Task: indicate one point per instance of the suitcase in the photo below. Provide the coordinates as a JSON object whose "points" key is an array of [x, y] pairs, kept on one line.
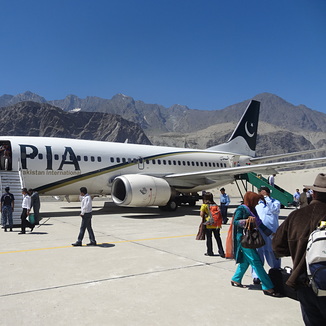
{"points": [[279, 276]]}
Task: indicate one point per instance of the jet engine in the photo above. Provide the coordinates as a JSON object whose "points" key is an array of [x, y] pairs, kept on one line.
{"points": [[138, 190]]}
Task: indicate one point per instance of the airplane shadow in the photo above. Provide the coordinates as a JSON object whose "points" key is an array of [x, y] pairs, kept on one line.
{"points": [[147, 212], [128, 212]]}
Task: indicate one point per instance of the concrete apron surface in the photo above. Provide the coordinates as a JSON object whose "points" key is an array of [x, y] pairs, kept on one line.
{"points": [[147, 269]]}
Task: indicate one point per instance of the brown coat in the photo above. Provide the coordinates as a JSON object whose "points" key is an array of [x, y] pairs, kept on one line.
{"points": [[292, 236]]}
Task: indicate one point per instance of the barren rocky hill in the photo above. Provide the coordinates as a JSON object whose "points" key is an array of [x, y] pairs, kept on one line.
{"points": [[42, 119]]}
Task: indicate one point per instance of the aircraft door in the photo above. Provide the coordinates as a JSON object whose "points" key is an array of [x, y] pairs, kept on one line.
{"points": [[234, 160], [5, 155]]}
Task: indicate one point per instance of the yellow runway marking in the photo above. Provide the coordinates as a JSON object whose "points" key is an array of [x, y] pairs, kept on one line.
{"points": [[99, 244]]}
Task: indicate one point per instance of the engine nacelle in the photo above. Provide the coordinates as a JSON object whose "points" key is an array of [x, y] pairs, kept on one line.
{"points": [[138, 190]]}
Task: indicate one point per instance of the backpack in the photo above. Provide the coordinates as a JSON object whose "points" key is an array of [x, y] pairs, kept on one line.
{"points": [[215, 216], [316, 259]]}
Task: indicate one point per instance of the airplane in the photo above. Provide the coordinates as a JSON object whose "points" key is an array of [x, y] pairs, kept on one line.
{"points": [[138, 175]]}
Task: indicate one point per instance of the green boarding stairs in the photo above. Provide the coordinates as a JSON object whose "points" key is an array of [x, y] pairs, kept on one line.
{"points": [[256, 180]]}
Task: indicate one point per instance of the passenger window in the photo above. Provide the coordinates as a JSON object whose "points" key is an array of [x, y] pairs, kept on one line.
{"points": [[99, 159], [56, 157], [40, 156], [123, 160], [85, 158], [118, 159], [112, 159], [92, 158], [158, 161], [78, 158]]}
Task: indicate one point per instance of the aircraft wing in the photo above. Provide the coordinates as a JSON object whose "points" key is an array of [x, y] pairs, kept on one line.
{"points": [[263, 159], [226, 175]]}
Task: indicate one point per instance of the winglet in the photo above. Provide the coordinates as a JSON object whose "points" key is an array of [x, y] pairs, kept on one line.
{"points": [[244, 137]]}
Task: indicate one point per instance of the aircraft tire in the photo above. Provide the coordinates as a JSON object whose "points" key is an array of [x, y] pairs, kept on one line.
{"points": [[171, 206]]}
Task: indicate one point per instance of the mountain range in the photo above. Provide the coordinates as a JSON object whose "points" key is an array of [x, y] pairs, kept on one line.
{"points": [[283, 126], [42, 119]]}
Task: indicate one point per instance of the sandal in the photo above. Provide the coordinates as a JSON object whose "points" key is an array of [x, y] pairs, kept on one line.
{"points": [[272, 294], [238, 285]]}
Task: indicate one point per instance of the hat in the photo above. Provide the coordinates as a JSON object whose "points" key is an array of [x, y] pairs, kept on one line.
{"points": [[319, 184], [264, 188], [7, 188]]}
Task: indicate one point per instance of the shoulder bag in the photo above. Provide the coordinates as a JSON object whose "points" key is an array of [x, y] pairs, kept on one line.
{"points": [[251, 236]]}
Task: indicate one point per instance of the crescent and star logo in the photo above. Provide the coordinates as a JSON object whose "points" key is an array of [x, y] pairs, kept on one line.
{"points": [[247, 131]]}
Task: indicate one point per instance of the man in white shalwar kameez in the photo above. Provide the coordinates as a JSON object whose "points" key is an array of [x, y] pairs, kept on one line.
{"points": [[268, 212]]}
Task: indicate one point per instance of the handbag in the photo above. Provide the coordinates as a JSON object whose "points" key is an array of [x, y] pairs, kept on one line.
{"points": [[201, 232], [251, 236]]}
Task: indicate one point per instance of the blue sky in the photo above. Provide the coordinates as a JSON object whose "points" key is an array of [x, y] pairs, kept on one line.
{"points": [[206, 54]]}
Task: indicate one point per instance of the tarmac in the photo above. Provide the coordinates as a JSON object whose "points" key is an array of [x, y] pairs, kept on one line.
{"points": [[147, 269]]}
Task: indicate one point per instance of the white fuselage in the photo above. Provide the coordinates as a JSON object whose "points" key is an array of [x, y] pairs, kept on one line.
{"points": [[57, 166]]}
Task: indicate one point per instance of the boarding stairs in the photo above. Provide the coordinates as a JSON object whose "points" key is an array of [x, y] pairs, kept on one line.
{"points": [[257, 181], [13, 180]]}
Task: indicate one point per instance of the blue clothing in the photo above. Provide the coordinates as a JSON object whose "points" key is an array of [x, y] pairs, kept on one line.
{"points": [[247, 256], [7, 216], [250, 257], [268, 213], [313, 308], [225, 199], [224, 203], [240, 216]]}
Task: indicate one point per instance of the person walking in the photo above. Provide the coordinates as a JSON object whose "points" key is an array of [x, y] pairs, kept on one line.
{"points": [[211, 227], [268, 209], [246, 256], [224, 203], [7, 208], [86, 215], [26, 205], [291, 239]]}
